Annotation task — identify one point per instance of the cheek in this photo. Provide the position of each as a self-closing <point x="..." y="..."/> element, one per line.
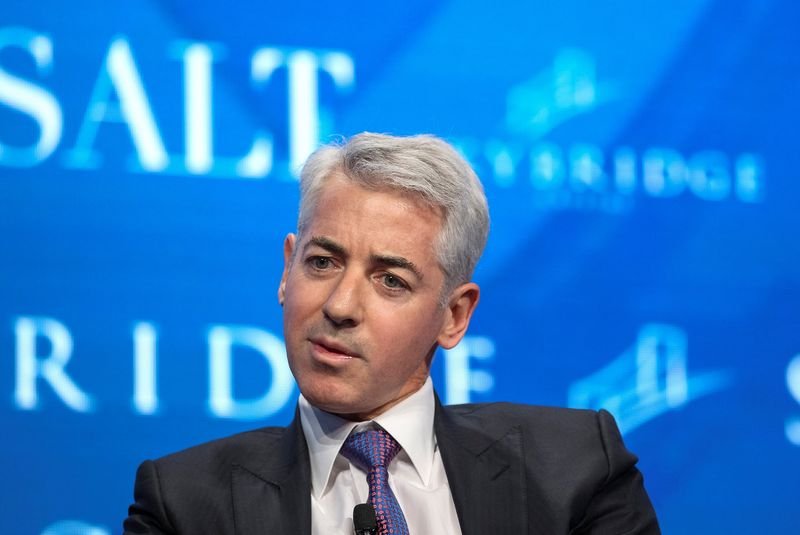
<point x="412" y="339"/>
<point x="302" y="299"/>
<point x="295" y="327"/>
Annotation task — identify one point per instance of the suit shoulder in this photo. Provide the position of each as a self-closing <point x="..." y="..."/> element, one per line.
<point x="538" y="416"/>
<point x="222" y="451"/>
<point x="556" y="430"/>
<point x="574" y="460"/>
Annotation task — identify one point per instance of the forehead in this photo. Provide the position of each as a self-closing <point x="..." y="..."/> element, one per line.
<point x="381" y="218"/>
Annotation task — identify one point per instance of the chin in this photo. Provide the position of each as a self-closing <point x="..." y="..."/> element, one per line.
<point x="336" y="399"/>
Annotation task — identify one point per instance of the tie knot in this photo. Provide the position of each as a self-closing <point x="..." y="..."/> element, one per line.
<point x="371" y="448"/>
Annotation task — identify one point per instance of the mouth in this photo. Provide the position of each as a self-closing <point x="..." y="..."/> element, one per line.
<point x="331" y="350"/>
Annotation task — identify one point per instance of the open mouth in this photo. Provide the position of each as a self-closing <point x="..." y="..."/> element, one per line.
<point x="331" y="350"/>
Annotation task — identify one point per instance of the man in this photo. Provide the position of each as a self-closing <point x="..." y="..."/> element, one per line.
<point x="378" y="277"/>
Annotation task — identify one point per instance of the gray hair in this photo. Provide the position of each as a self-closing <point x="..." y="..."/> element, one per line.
<point x="423" y="166"/>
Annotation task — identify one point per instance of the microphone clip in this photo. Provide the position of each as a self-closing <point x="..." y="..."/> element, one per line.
<point x="364" y="520"/>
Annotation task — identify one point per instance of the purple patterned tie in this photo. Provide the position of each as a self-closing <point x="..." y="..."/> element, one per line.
<point x="373" y="450"/>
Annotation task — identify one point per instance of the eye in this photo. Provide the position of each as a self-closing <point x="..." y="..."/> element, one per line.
<point x="393" y="282"/>
<point x="320" y="263"/>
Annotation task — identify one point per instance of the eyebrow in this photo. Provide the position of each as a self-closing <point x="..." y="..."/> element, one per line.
<point x="379" y="259"/>
<point x="397" y="262"/>
<point x="327" y="244"/>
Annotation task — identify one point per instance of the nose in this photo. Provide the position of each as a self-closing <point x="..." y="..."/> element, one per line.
<point x="344" y="307"/>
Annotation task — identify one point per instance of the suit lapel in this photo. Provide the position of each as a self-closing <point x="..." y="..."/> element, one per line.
<point x="271" y="491"/>
<point x="484" y="466"/>
<point x="485" y="471"/>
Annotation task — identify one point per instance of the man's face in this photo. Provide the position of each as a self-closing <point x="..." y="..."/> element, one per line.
<point x="360" y="291"/>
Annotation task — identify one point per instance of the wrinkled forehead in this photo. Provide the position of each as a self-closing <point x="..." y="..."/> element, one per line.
<point x="311" y="200"/>
<point x="383" y="221"/>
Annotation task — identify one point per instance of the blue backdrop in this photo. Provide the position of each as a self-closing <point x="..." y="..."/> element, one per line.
<point x="640" y="160"/>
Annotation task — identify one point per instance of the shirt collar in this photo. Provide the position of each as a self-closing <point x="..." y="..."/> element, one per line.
<point x="410" y="422"/>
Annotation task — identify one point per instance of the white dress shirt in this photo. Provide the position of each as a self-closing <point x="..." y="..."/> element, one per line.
<point x="416" y="475"/>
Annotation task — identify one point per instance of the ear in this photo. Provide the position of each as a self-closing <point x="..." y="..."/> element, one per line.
<point x="459" y="311"/>
<point x="288" y="252"/>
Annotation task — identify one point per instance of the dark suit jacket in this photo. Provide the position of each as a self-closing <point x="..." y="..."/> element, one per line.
<point x="511" y="469"/>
